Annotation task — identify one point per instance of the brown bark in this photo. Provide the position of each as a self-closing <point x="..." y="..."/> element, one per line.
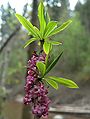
<point x="32" y="46"/>
<point x="34" y="22"/>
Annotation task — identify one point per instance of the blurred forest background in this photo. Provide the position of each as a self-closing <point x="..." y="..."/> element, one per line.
<point x="74" y="64"/>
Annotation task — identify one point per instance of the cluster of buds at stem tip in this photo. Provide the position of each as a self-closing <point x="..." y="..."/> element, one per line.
<point x="36" y="93"/>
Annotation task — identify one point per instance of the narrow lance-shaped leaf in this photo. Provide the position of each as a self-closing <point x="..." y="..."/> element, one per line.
<point x="37" y="31"/>
<point x="29" y="41"/>
<point x="27" y="24"/>
<point x="41" y="67"/>
<point x="52" y="83"/>
<point x="47" y="47"/>
<point x="47" y="17"/>
<point x="53" y="63"/>
<point x="55" y="42"/>
<point x="41" y="18"/>
<point x="66" y="82"/>
<point x="50" y="27"/>
<point x="61" y="28"/>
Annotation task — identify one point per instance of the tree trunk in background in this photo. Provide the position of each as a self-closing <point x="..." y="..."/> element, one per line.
<point x="34" y="22"/>
<point x="5" y="66"/>
<point x="26" y="110"/>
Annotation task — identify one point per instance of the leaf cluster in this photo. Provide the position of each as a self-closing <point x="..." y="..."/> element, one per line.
<point x="47" y="29"/>
<point x="53" y="80"/>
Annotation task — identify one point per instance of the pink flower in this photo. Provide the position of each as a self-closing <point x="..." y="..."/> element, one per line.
<point x="36" y="93"/>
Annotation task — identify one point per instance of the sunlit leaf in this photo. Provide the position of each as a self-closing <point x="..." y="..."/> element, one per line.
<point x="47" y="47"/>
<point x="50" y="27"/>
<point x="53" y="63"/>
<point x="29" y="33"/>
<point x="41" y="67"/>
<point x="66" y="82"/>
<point x="29" y="41"/>
<point x="41" y="18"/>
<point x="55" y="42"/>
<point x="47" y="17"/>
<point x="61" y="28"/>
<point x="27" y="24"/>
<point x="52" y="83"/>
<point x="37" y="31"/>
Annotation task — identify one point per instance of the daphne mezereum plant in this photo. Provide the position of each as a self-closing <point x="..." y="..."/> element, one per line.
<point x="38" y="66"/>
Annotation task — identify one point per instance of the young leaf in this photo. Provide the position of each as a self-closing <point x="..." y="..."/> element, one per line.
<point x="50" y="27"/>
<point x="61" y="28"/>
<point x="41" y="67"/>
<point x="37" y="31"/>
<point x="55" y="42"/>
<point x="53" y="63"/>
<point x="29" y="41"/>
<point x="47" y="47"/>
<point x="26" y="24"/>
<point x="66" y="82"/>
<point x="47" y="17"/>
<point x="41" y="18"/>
<point x="52" y="83"/>
<point x="29" y="33"/>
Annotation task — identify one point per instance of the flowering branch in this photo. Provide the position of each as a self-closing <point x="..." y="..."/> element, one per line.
<point x="38" y="66"/>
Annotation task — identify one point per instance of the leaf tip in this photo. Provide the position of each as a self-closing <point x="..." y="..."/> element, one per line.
<point x="70" y="21"/>
<point x="16" y="14"/>
<point x="24" y="46"/>
<point x="75" y="86"/>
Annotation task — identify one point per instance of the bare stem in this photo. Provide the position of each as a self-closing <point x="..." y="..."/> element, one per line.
<point x="41" y="45"/>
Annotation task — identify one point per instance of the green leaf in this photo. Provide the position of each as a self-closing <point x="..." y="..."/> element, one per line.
<point x="66" y="82"/>
<point x="50" y="27"/>
<point x="41" y="18"/>
<point x="29" y="41"/>
<point x="29" y="33"/>
<point x="52" y="83"/>
<point x="53" y="63"/>
<point x="61" y="28"/>
<point x="27" y="24"/>
<point x="41" y="67"/>
<point x="47" y="17"/>
<point x="55" y="42"/>
<point x="37" y="31"/>
<point x="47" y="47"/>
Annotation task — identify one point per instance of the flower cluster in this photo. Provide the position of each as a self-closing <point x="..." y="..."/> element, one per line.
<point x="36" y="93"/>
